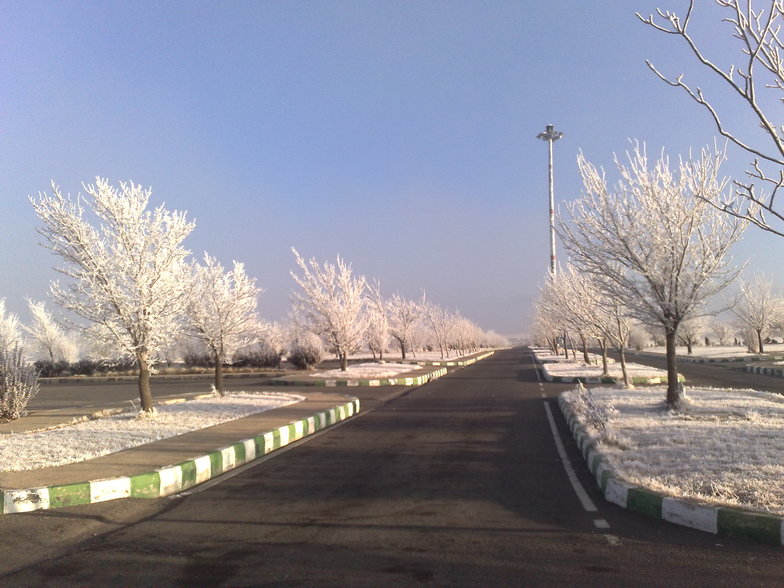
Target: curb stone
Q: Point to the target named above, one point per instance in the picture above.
(173, 479)
(711, 519)
(337, 383)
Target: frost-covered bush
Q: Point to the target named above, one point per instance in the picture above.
(596, 416)
(48, 368)
(18, 383)
(258, 356)
(306, 351)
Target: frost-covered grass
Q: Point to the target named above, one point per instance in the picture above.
(581, 370)
(368, 371)
(719, 351)
(86, 440)
(725, 447)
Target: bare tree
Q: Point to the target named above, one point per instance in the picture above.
(758, 82)
(126, 273)
(757, 307)
(721, 331)
(439, 321)
(656, 247)
(377, 331)
(404, 316)
(49, 337)
(10, 328)
(691, 332)
(221, 310)
(330, 303)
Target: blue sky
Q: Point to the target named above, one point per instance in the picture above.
(400, 135)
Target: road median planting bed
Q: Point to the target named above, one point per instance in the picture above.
(168, 479)
(709, 516)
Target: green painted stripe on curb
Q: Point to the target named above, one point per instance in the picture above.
(147, 485)
(69, 494)
(749, 525)
(644, 502)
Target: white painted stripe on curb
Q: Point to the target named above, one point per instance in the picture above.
(284, 435)
(103, 490)
(250, 450)
(299, 431)
(311, 425)
(268, 441)
(171, 480)
(28, 500)
(228, 459)
(616, 492)
(203, 468)
(699, 517)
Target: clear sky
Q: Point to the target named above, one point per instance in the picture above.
(400, 135)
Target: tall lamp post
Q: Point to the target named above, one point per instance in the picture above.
(550, 135)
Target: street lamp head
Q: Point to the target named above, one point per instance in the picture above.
(549, 134)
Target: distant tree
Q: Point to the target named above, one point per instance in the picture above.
(721, 332)
(10, 329)
(221, 310)
(657, 247)
(439, 321)
(758, 82)
(330, 303)
(757, 307)
(126, 273)
(377, 331)
(404, 316)
(691, 332)
(52, 342)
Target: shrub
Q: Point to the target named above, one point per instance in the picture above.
(48, 368)
(306, 352)
(262, 357)
(18, 384)
(193, 359)
(84, 367)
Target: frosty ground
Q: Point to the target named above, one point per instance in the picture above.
(88, 439)
(723, 447)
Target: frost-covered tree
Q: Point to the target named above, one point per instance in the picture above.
(125, 267)
(656, 244)
(757, 307)
(721, 331)
(404, 317)
(49, 338)
(377, 330)
(757, 81)
(221, 310)
(439, 321)
(330, 303)
(691, 332)
(10, 329)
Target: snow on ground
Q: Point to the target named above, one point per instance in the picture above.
(726, 447)
(394, 355)
(368, 371)
(720, 351)
(581, 370)
(89, 439)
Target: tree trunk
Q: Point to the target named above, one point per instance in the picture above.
(603, 345)
(343, 361)
(689, 349)
(145, 395)
(586, 357)
(626, 381)
(402, 350)
(759, 340)
(673, 391)
(218, 373)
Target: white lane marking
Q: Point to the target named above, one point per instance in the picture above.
(601, 524)
(582, 495)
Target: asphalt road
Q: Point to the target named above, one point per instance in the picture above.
(456, 483)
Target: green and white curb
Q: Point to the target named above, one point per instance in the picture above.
(776, 372)
(703, 517)
(402, 381)
(175, 478)
(456, 362)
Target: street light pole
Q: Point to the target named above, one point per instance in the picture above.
(550, 135)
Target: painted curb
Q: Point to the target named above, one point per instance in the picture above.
(456, 362)
(403, 381)
(776, 372)
(689, 513)
(175, 478)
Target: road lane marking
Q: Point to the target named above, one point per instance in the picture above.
(582, 495)
(601, 524)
